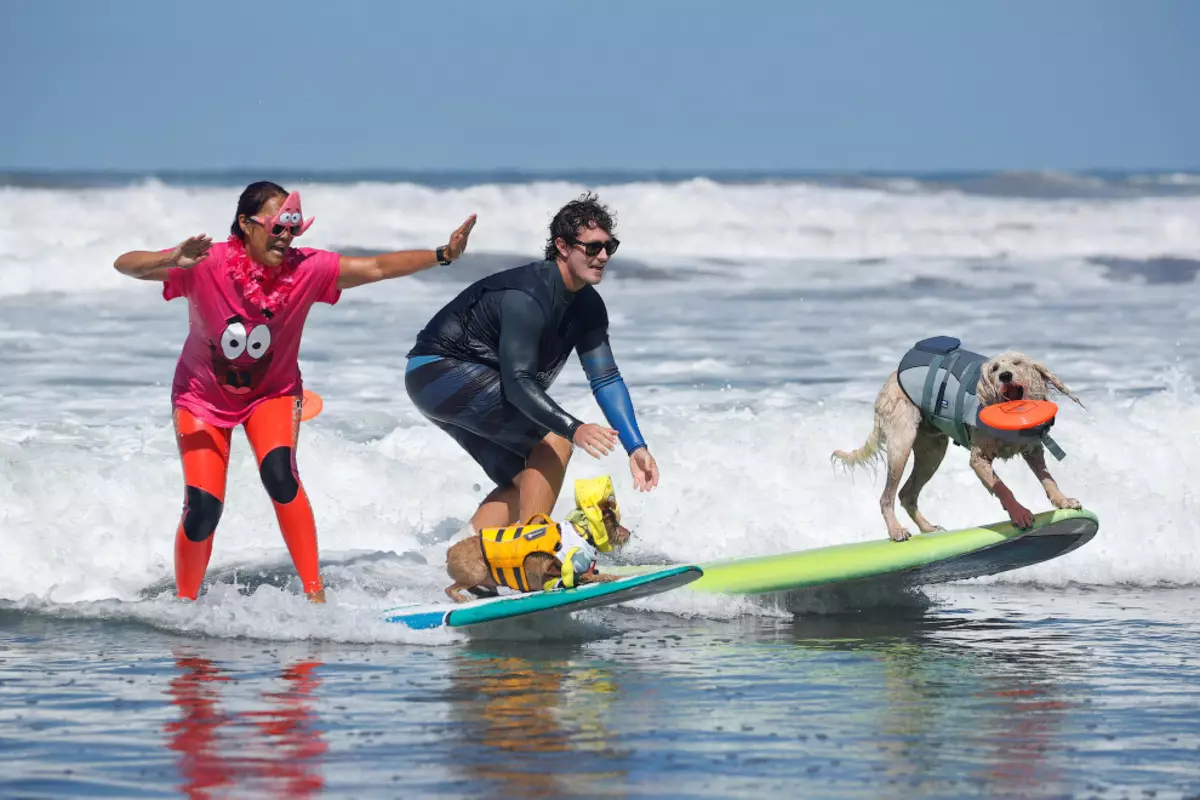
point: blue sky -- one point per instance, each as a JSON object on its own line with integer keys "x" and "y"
{"x": 618, "y": 84}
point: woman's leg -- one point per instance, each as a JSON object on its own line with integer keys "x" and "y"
{"x": 204, "y": 450}
{"x": 273, "y": 430}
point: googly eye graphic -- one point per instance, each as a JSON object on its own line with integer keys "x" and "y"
{"x": 258, "y": 342}
{"x": 233, "y": 340}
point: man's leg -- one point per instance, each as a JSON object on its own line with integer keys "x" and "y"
{"x": 526, "y": 463}
{"x": 525, "y": 485}
{"x": 535, "y": 486}
{"x": 498, "y": 509}
{"x": 542, "y": 479}
{"x": 456, "y": 397}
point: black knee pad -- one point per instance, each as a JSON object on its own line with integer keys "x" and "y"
{"x": 277, "y": 475}
{"x": 201, "y": 515}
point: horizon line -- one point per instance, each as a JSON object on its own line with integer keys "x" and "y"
{"x": 550, "y": 171}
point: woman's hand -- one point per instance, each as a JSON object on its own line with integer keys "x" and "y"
{"x": 458, "y": 239}
{"x": 191, "y": 251}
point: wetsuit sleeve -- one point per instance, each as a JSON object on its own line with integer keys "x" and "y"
{"x": 521, "y": 323}
{"x": 609, "y": 388}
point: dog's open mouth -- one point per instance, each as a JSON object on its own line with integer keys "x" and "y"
{"x": 1013, "y": 391}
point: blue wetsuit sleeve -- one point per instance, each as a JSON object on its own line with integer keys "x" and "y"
{"x": 609, "y": 388}
{"x": 521, "y": 323}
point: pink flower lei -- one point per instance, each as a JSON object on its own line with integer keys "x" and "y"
{"x": 265, "y": 287}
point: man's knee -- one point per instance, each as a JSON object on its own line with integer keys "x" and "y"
{"x": 201, "y": 514}
{"x": 559, "y": 446}
{"x": 278, "y": 477}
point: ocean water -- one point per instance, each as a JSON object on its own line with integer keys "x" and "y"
{"x": 754, "y": 319}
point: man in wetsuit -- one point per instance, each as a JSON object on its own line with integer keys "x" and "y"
{"x": 481, "y": 367}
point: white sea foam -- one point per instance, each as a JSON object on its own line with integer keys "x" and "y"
{"x": 746, "y": 373}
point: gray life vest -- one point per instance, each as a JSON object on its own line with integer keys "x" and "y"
{"x": 942, "y": 379}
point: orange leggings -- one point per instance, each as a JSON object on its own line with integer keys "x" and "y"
{"x": 272, "y": 430}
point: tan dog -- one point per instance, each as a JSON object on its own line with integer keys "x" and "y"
{"x": 901, "y": 428}
{"x": 529, "y": 557}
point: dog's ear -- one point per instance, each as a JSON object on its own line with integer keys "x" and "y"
{"x": 1056, "y": 382}
{"x": 987, "y": 389}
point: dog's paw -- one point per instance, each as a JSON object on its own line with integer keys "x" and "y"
{"x": 596, "y": 577}
{"x": 1021, "y": 517}
{"x": 899, "y": 534}
{"x": 1068, "y": 502}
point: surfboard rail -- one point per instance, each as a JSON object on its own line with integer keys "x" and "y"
{"x": 923, "y": 559}
{"x": 592, "y": 595}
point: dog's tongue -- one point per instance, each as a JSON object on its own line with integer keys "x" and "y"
{"x": 1013, "y": 391}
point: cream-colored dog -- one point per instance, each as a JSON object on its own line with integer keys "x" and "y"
{"x": 901, "y": 428}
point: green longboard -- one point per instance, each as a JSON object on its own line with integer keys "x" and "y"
{"x": 926, "y": 558}
{"x": 508, "y": 607}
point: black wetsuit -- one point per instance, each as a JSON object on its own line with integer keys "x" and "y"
{"x": 481, "y": 367}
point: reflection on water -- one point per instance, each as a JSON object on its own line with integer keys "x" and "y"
{"x": 271, "y": 744}
{"x": 998, "y": 711}
{"x": 988, "y": 691}
{"x": 525, "y": 722}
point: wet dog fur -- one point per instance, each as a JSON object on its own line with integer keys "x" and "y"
{"x": 899, "y": 431}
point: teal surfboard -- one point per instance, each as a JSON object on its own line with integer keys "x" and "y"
{"x": 560, "y": 601}
{"x": 926, "y": 558}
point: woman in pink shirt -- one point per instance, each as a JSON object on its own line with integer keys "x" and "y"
{"x": 248, "y": 298}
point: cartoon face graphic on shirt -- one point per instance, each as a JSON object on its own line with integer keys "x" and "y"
{"x": 242, "y": 357}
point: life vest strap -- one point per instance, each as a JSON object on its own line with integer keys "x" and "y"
{"x": 970, "y": 377}
{"x": 941, "y": 393}
{"x": 518, "y": 579}
{"x": 1053, "y": 447}
{"x": 927, "y": 407}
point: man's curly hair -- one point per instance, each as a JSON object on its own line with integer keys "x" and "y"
{"x": 584, "y": 212}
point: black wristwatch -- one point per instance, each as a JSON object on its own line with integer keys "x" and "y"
{"x": 441, "y": 256}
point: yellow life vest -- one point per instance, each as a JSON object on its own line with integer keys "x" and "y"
{"x": 589, "y": 494}
{"x": 505, "y": 549}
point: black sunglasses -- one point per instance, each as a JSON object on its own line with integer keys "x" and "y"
{"x": 593, "y": 248}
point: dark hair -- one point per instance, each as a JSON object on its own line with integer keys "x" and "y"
{"x": 584, "y": 212}
{"x": 252, "y": 199}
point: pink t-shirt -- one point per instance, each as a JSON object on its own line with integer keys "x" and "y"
{"x": 236, "y": 356}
